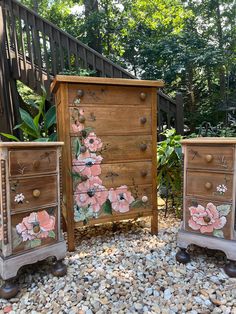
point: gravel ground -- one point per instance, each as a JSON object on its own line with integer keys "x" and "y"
{"x": 127, "y": 271}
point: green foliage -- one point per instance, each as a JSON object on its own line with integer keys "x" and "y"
{"x": 220, "y": 130}
{"x": 169, "y": 156}
{"x": 39, "y": 126}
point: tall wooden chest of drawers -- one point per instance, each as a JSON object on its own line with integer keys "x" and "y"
{"x": 30, "y": 228}
{"x": 209, "y": 196}
{"x": 109, "y": 127}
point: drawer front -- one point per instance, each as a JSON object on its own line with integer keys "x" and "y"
{"x": 26, "y": 162}
{"x": 115, "y": 201}
{"x": 115, "y": 175}
{"x": 214, "y": 186}
{"x": 210, "y": 157}
{"x": 34, "y": 229}
{"x": 115, "y": 120}
{"x": 209, "y": 218}
{"x": 115, "y": 148}
{"x": 103, "y": 94}
{"x": 33, "y": 192}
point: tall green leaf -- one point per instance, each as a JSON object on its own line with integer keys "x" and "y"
{"x": 26, "y": 118}
{"x": 50, "y": 117}
{"x": 10, "y": 137}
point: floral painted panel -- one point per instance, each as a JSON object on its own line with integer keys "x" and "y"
{"x": 34, "y": 229}
{"x": 209, "y": 218}
{"x": 1, "y": 232}
{"x": 92, "y": 198}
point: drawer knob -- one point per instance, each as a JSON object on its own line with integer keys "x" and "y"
{"x": 36, "y": 164}
{"x": 143, "y": 120}
{"x": 208, "y": 185}
{"x": 83, "y": 149}
{"x": 80, "y": 93}
{"x": 81, "y": 119}
{"x": 144, "y": 199}
{"x": 36, "y": 193}
{"x": 143, "y": 173}
{"x": 209, "y": 158}
{"x": 143, "y": 147}
{"x": 143, "y": 96}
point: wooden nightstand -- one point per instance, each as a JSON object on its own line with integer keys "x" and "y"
{"x": 209, "y": 197}
{"x": 29, "y": 208}
{"x": 109, "y": 127}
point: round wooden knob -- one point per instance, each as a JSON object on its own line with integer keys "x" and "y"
{"x": 81, "y": 119}
{"x": 143, "y": 120}
{"x": 209, "y": 158}
{"x": 36, "y": 164}
{"x": 143, "y": 147}
{"x": 143, "y": 96}
{"x": 83, "y": 149}
{"x": 143, "y": 173}
{"x": 144, "y": 199}
{"x": 36, "y": 193}
{"x": 80, "y": 93}
{"x": 208, "y": 185}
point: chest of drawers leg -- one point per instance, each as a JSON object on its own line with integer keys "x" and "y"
{"x": 209, "y": 197}
{"x": 30, "y": 206}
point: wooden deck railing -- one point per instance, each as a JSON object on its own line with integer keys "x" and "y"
{"x": 37, "y": 50}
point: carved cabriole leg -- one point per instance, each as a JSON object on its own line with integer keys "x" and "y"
{"x": 9, "y": 289}
{"x": 230, "y": 269}
{"x": 59, "y": 269}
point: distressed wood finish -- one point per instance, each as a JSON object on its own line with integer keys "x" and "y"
{"x": 209, "y": 194}
{"x": 29, "y": 205}
{"x": 109, "y": 157}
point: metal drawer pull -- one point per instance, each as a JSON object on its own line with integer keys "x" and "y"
{"x": 36, "y": 164}
{"x": 36, "y": 193}
{"x": 144, "y": 199}
{"x": 143, "y": 147}
{"x": 208, "y": 158}
{"x": 81, "y": 119}
{"x": 80, "y": 93}
{"x": 208, "y": 185}
{"x": 143, "y": 120}
{"x": 143, "y": 173}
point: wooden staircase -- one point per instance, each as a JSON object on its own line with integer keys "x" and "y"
{"x": 33, "y": 50}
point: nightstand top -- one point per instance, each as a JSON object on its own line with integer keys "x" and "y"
{"x": 210, "y": 140}
{"x": 30, "y": 144}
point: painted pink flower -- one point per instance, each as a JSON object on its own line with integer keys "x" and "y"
{"x": 91, "y": 193}
{"x": 92, "y": 142}
{"x": 205, "y": 219}
{"x": 120, "y": 199}
{"x": 78, "y": 126}
{"x": 87, "y": 164}
{"x": 36, "y": 226}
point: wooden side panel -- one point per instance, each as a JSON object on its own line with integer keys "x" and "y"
{"x": 107, "y": 94}
{"x": 27, "y": 162}
{"x": 112, "y": 120}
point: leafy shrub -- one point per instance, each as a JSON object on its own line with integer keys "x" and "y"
{"x": 169, "y": 156}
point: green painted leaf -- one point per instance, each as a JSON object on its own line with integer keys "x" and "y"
{"x": 27, "y": 119}
{"x": 224, "y": 209}
{"x": 136, "y": 204}
{"x": 107, "y": 207}
{"x": 77, "y": 149}
{"x": 35, "y": 242}
{"x": 50, "y": 117}
{"x": 10, "y": 137}
{"x": 16, "y": 238}
{"x": 52, "y": 234}
{"x": 218, "y": 233}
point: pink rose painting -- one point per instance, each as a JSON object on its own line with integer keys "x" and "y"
{"x": 91, "y": 193}
{"x": 91, "y": 196}
{"x": 120, "y": 199}
{"x": 36, "y": 226}
{"x": 92, "y": 142}
{"x": 206, "y": 220}
{"x": 87, "y": 164}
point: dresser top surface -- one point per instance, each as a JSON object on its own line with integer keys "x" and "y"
{"x": 210, "y": 140}
{"x": 30, "y": 144}
{"x": 101, "y": 80}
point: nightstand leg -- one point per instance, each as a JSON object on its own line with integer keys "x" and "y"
{"x": 230, "y": 268}
{"x": 59, "y": 269}
{"x": 9, "y": 289}
{"x": 182, "y": 256}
